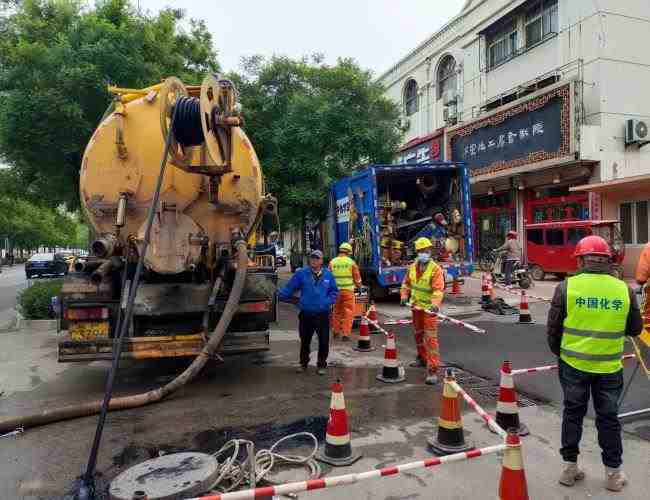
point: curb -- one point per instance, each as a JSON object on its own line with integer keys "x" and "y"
{"x": 35, "y": 325}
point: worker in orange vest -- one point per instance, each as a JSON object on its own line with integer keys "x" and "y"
{"x": 423, "y": 289}
{"x": 347, "y": 276}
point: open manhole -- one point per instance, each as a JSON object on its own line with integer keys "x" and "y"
{"x": 493, "y": 393}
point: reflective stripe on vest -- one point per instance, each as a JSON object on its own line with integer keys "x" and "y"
{"x": 421, "y": 292}
{"x": 342, "y": 270}
{"x": 594, "y": 329}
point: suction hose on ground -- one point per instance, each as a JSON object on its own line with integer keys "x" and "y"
{"x": 153, "y": 396}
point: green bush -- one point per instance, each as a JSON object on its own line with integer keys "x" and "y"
{"x": 34, "y": 302}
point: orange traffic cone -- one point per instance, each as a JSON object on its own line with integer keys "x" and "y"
{"x": 451, "y": 437}
{"x": 512, "y": 485}
{"x": 485, "y": 290}
{"x": 391, "y": 373}
{"x": 524, "y": 312}
{"x": 507, "y": 415}
{"x": 491, "y": 288}
{"x": 337, "y": 450}
{"x": 363, "y": 344}
{"x": 372, "y": 316}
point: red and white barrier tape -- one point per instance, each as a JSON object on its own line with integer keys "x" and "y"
{"x": 547, "y": 368}
{"x": 451, "y": 320}
{"x": 331, "y": 482}
{"x": 477, "y": 408}
{"x": 518, "y": 292}
{"x": 378, "y": 326}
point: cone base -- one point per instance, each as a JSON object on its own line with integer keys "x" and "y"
{"x": 400, "y": 378}
{"x": 522, "y": 430}
{"x": 525, "y": 321}
{"x": 364, "y": 349}
{"x": 442, "y": 449}
{"x": 337, "y": 462}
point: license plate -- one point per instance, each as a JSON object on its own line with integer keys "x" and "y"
{"x": 89, "y": 330}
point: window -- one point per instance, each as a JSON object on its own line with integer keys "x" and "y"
{"x": 541, "y": 21}
{"x": 634, "y": 222}
{"x": 575, "y": 234}
{"x": 411, "y": 97}
{"x": 536, "y": 236}
{"x": 555, "y": 237}
{"x": 502, "y": 45}
{"x": 446, "y": 76}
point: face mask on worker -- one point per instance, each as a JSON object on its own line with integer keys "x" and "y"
{"x": 424, "y": 257}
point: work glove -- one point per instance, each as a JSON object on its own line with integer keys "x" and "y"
{"x": 404, "y": 302}
{"x": 434, "y": 309}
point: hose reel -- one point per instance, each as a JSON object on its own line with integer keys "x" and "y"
{"x": 204, "y": 122}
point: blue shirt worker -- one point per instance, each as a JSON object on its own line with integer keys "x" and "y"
{"x": 318, "y": 293}
{"x": 590, "y": 316}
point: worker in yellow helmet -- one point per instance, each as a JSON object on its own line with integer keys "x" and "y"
{"x": 423, "y": 288}
{"x": 347, "y": 276}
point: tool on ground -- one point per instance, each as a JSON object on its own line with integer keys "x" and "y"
{"x": 372, "y": 317}
{"x": 15, "y": 432}
{"x": 450, "y": 437}
{"x": 524, "y": 312}
{"x": 364, "y": 344}
{"x": 500, "y": 307}
{"x": 337, "y": 450}
{"x": 487, "y": 418}
{"x": 392, "y": 372}
{"x": 347, "y": 479}
{"x": 546, "y": 368}
{"x": 507, "y": 415}
{"x": 513, "y": 485}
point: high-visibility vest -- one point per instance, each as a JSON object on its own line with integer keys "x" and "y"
{"x": 594, "y": 329}
{"x": 421, "y": 292}
{"x": 342, "y": 270}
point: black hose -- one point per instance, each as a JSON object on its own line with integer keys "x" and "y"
{"x": 187, "y": 125}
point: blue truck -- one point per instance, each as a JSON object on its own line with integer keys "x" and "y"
{"x": 383, "y": 209}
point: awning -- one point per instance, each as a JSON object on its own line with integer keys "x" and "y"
{"x": 638, "y": 181}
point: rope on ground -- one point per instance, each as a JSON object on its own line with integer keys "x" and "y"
{"x": 547, "y": 368}
{"x": 330, "y": 482}
{"x": 234, "y": 471}
{"x": 489, "y": 420}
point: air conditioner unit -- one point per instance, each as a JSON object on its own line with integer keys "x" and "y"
{"x": 404, "y": 123}
{"x": 450, "y": 115}
{"x": 449, "y": 97}
{"x": 636, "y": 132}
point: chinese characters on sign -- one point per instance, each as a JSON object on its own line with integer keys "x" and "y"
{"x": 597, "y": 303}
{"x": 525, "y": 137}
{"x": 430, "y": 150}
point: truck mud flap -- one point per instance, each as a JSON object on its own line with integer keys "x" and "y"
{"x": 159, "y": 347}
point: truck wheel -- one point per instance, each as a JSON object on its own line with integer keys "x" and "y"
{"x": 537, "y": 273}
{"x": 377, "y": 292}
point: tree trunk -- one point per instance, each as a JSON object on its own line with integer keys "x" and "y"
{"x": 303, "y": 238}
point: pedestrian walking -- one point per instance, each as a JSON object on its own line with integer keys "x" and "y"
{"x": 590, "y": 315}
{"x": 318, "y": 293}
{"x": 347, "y": 276}
{"x": 511, "y": 255}
{"x": 423, "y": 287}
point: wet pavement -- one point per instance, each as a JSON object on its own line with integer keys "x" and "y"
{"x": 260, "y": 397}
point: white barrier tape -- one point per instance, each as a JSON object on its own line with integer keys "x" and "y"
{"x": 547, "y": 368}
{"x": 330, "y": 482}
{"x": 477, "y": 408}
{"x": 451, "y": 320}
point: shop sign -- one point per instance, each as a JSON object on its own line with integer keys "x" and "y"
{"x": 531, "y": 132}
{"x": 430, "y": 150}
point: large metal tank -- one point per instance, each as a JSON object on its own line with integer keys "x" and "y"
{"x": 212, "y": 191}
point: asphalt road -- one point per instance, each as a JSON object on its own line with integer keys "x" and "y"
{"x": 12, "y": 280}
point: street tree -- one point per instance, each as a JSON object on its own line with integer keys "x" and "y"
{"x": 312, "y": 123}
{"x": 57, "y": 58}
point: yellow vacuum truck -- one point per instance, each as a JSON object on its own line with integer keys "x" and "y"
{"x": 211, "y": 199}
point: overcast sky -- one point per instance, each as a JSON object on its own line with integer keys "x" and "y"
{"x": 377, "y": 33}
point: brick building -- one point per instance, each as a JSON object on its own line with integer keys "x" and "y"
{"x": 536, "y": 96}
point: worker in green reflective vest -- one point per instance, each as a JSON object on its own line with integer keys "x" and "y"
{"x": 590, "y": 316}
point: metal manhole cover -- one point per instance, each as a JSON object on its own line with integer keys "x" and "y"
{"x": 493, "y": 393}
{"x": 468, "y": 380}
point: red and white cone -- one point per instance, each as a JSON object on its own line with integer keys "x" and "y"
{"x": 524, "y": 312}
{"x": 491, "y": 287}
{"x": 363, "y": 344}
{"x": 507, "y": 408}
{"x": 455, "y": 286}
{"x": 485, "y": 290}
{"x": 337, "y": 450}
{"x": 513, "y": 485}
{"x": 392, "y": 372}
{"x": 372, "y": 316}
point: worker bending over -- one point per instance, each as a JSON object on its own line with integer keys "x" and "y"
{"x": 590, "y": 316}
{"x": 423, "y": 288}
{"x": 347, "y": 276}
